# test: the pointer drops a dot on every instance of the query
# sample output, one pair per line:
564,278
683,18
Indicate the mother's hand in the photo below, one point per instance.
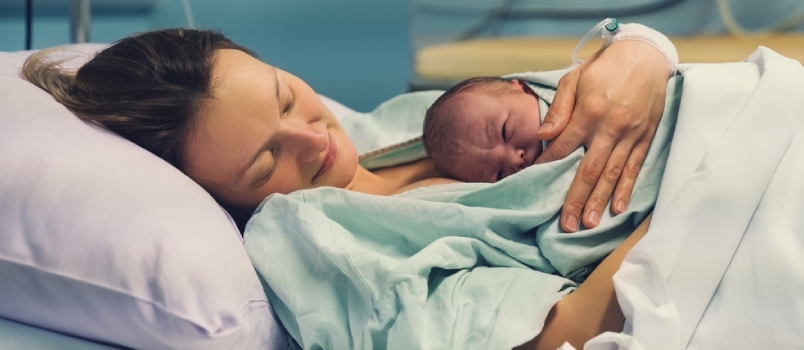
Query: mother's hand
611,103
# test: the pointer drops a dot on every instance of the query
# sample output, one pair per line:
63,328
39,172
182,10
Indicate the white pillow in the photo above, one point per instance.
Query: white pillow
338,110
102,240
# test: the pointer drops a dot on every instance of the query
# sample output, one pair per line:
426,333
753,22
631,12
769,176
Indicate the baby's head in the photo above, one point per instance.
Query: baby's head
483,129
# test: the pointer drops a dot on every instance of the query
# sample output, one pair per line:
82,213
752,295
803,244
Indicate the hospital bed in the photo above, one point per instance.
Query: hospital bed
454,41
103,245
17,336
445,64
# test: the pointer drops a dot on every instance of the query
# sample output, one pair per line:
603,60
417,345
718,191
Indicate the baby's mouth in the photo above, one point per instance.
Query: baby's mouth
531,158
538,151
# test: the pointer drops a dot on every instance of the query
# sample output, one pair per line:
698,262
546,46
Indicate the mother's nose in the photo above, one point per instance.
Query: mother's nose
306,141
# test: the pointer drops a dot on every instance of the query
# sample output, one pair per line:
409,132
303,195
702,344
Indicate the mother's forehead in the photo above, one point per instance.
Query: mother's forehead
230,125
232,66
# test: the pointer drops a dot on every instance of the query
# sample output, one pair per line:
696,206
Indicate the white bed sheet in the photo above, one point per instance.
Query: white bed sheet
722,266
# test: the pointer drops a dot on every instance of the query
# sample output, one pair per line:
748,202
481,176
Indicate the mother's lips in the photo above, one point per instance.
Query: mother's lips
329,158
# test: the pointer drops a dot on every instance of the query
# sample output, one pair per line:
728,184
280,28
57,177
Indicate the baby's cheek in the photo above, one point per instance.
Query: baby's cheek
468,171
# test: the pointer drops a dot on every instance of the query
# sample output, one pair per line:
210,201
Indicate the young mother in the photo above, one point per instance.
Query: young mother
244,130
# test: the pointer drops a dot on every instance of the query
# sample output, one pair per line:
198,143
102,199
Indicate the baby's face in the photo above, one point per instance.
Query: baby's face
497,134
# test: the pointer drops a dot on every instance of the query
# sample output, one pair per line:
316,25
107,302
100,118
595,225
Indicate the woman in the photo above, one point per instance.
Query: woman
244,130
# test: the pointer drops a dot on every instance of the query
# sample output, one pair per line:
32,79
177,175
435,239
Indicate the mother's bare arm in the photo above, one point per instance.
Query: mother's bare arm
592,308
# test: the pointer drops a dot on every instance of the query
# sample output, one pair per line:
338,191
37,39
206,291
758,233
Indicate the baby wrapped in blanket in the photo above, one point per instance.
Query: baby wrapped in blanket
464,265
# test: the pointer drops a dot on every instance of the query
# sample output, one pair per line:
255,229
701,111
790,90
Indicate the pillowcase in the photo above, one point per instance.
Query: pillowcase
338,110
102,240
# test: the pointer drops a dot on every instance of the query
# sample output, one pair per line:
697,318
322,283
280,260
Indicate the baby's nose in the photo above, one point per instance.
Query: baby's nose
516,159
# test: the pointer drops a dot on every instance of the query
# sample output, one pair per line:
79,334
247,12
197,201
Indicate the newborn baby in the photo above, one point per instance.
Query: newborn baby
484,129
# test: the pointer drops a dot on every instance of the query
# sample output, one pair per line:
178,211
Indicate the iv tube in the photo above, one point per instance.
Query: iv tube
610,24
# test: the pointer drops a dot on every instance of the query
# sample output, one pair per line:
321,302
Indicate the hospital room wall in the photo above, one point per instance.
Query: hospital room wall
355,51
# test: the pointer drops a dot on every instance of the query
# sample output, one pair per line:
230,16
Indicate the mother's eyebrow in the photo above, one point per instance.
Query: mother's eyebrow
276,88
267,144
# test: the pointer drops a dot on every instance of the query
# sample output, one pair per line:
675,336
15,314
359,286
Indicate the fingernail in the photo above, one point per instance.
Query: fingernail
620,206
571,223
593,217
545,127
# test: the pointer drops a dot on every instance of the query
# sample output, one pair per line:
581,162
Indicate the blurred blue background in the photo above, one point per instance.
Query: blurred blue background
355,51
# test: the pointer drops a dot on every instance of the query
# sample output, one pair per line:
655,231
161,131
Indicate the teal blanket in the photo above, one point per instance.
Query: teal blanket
472,266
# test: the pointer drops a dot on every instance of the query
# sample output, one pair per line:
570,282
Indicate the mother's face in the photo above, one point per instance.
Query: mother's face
264,131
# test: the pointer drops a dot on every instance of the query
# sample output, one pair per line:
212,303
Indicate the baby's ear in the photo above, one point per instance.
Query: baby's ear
518,85
522,86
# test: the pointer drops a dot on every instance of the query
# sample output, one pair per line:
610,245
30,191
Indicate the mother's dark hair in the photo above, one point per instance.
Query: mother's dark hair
147,88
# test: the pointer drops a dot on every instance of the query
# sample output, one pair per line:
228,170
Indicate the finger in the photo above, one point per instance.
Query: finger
589,171
625,186
560,111
596,204
566,143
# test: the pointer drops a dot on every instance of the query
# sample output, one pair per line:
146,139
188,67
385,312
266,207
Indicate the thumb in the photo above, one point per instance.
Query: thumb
558,115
